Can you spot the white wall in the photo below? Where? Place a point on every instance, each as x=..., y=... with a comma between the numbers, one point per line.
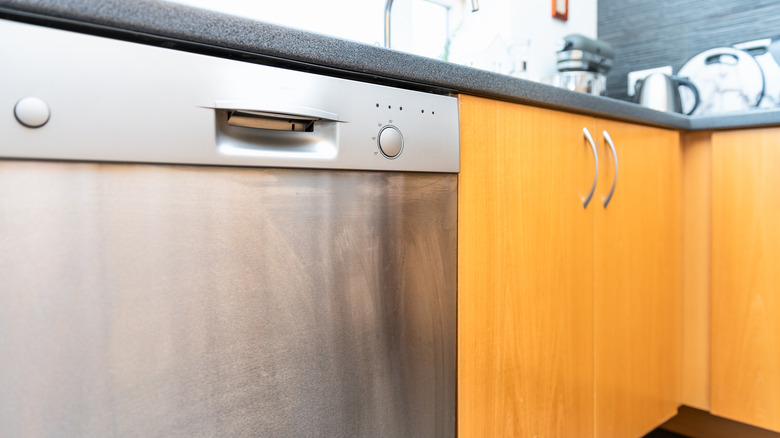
x=517, y=26
x=490, y=38
x=534, y=18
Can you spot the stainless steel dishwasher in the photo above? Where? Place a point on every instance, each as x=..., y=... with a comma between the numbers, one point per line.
x=197, y=246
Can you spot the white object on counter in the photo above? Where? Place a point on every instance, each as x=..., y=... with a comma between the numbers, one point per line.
x=770, y=68
x=728, y=80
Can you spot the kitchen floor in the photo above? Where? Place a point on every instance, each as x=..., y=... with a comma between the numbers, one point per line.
x=696, y=423
x=660, y=433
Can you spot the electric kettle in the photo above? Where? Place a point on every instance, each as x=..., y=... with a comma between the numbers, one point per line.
x=660, y=91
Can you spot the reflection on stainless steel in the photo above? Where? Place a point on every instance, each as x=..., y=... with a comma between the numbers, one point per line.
x=661, y=92
x=156, y=300
x=583, y=81
x=577, y=52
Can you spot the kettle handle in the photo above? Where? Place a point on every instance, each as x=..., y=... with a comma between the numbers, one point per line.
x=638, y=88
x=685, y=82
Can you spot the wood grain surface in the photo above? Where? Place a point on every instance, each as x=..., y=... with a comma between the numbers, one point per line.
x=746, y=276
x=697, y=244
x=525, y=273
x=638, y=248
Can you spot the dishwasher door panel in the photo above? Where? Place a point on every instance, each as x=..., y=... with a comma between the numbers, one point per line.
x=165, y=300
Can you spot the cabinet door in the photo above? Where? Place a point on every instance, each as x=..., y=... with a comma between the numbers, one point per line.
x=525, y=273
x=638, y=250
x=746, y=276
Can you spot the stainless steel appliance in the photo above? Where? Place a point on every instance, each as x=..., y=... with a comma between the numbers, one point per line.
x=579, y=53
x=583, y=64
x=661, y=92
x=582, y=81
x=196, y=246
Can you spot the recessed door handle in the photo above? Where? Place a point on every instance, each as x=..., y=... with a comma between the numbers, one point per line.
x=596, y=158
x=614, y=156
x=275, y=117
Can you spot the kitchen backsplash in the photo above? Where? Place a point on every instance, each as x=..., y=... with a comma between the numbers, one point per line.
x=647, y=34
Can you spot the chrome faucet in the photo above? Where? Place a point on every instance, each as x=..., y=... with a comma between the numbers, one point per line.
x=389, y=7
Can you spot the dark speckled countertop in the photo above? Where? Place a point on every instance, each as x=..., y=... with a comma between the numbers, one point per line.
x=186, y=28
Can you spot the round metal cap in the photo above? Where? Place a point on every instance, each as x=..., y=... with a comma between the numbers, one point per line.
x=390, y=141
x=32, y=112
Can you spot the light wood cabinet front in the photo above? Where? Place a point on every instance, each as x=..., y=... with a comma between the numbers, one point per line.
x=525, y=283
x=569, y=320
x=638, y=245
x=746, y=276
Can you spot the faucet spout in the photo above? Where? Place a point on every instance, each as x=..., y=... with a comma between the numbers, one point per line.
x=389, y=8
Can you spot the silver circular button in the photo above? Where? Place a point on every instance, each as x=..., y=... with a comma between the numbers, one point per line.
x=390, y=141
x=32, y=112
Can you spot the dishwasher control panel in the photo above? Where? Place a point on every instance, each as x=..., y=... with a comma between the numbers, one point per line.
x=390, y=141
x=72, y=96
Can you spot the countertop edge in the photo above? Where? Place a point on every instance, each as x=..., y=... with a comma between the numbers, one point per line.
x=751, y=119
x=155, y=18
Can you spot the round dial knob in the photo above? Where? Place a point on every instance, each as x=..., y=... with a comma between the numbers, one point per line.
x=390, y=141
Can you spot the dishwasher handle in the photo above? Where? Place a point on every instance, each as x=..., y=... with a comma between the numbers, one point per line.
x=282, y=109
x=276, y=116
x=281, y=134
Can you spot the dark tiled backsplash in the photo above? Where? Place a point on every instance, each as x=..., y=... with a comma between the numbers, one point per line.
x=670, y=32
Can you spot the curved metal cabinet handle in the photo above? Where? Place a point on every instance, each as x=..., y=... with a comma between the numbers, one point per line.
x=614, y=155
x=595, y=157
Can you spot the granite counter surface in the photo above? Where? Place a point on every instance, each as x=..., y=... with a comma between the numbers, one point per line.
x=179, y=26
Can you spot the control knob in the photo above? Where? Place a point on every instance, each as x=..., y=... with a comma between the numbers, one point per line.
x=390, y=141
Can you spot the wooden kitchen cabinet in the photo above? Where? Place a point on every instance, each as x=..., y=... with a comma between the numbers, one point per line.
x=568, y=316
x=638, y=281
x=745, y=357
x=525, y=276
